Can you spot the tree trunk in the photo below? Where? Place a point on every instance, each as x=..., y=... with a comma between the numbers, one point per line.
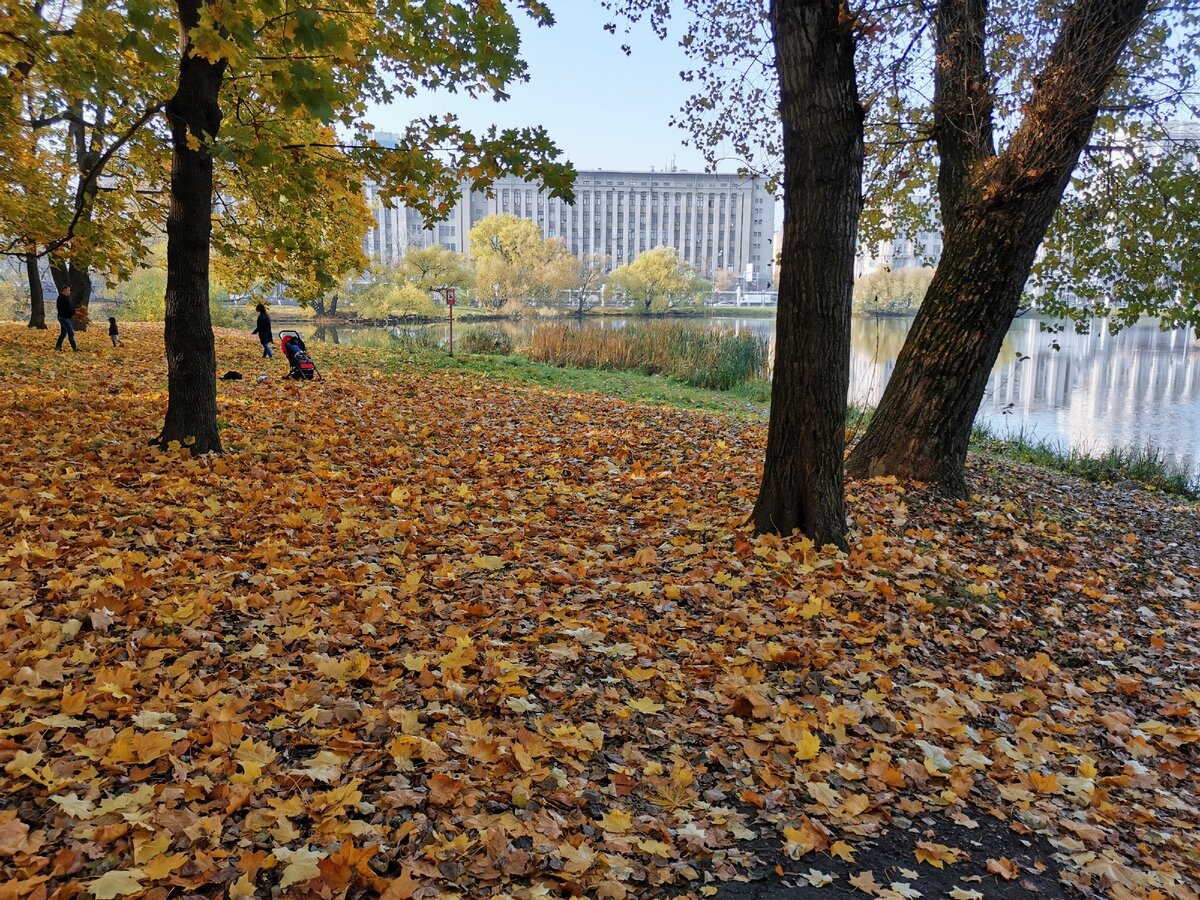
x=996, y=210
x=822, y=198
x=37, y=299
x=80, y=279
x=319, y=306
x=333, y=307
x=193, y=112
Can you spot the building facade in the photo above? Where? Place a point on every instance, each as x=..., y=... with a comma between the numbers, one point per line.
x=713, y=221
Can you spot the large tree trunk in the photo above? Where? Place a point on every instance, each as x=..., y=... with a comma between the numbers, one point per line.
x=191, y=354
x=996, y=210
x=822, y=199
x=37, y=299
x=75, y=271
x=333, y=307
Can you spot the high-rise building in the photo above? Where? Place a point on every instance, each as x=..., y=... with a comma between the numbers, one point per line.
x=713, y=221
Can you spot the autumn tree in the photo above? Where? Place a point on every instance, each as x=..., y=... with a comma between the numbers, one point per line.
x=295, y=227
x=435, y=267
x=997, y=202
x=73, y=144
x=274, y=68
x=515, y=265
x=82, y=152
x=656, y=281
x=892, y=290
x=590, y=272
x=725, y=280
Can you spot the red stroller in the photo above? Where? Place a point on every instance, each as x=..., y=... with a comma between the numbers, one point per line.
x=300, y=364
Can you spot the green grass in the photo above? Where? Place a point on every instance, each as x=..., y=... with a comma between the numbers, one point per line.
x=748, y=401
x=1147, y=465
x=716, y=359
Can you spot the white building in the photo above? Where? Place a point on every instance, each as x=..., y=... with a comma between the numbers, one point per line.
x=899, y=253
x=713, y=221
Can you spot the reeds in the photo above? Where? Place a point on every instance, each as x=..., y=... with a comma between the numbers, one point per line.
x=718, y=359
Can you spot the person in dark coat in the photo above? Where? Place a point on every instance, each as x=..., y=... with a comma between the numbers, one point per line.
x=263, y=330
x=113, y=331
x=66, y=316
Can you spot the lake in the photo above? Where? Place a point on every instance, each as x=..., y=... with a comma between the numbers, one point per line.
x=1095, y=391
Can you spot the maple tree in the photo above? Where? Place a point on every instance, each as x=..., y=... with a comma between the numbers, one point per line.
x=289, y=227
x=515, y=265
x=432, y=632
x=75, y=146
x=281, y=73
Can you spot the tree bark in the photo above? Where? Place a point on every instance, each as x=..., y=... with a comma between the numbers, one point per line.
x=333, y=307
x=193, y=113
x=997, y=211
x=37, y=299
x=76, y=271
x=822, y=199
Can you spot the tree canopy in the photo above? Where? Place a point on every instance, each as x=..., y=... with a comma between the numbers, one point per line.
x=515, y=265
x=1126, y=231
x=656, y=280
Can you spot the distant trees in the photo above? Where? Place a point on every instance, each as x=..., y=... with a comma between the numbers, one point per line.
x=892, y=290
x=515, y=265
x=656, y=281
x=435, y=267
x=725, y=280
x=590, y=272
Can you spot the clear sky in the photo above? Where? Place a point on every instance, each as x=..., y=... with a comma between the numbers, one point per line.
x=603, y=108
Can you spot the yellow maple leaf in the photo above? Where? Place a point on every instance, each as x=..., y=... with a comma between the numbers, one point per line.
x=1044, y=784
x=936, y=855
x=645, y=705
x=162, y=866
x=300, y=865
x=117, y=883
x=487, y=563
x=808, y=746
x=616, y=821
x=842, y=850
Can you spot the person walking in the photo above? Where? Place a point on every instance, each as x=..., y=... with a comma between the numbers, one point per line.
x=66, y=315
x=263, y=330
x=113, y=331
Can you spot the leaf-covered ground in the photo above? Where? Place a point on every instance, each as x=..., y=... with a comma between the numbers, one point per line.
x=430, y=636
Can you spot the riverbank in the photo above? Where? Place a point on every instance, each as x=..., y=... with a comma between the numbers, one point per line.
x=420, y=631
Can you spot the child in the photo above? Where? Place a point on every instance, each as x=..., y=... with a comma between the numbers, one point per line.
x=113, y=332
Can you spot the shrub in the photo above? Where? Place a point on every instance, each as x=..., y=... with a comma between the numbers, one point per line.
x=892, y=291
x=715, y=359
x=487, y=340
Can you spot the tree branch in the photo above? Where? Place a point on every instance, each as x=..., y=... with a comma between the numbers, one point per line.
x=98, y=166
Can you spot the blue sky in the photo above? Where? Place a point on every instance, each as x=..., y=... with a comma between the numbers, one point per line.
x=603, y=108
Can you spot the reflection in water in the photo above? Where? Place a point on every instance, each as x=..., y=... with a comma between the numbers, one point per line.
x=1096, y=392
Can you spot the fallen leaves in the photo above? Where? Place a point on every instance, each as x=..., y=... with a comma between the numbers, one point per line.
x=413, y=633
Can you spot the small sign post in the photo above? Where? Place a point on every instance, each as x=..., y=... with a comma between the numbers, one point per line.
x=451, y=296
